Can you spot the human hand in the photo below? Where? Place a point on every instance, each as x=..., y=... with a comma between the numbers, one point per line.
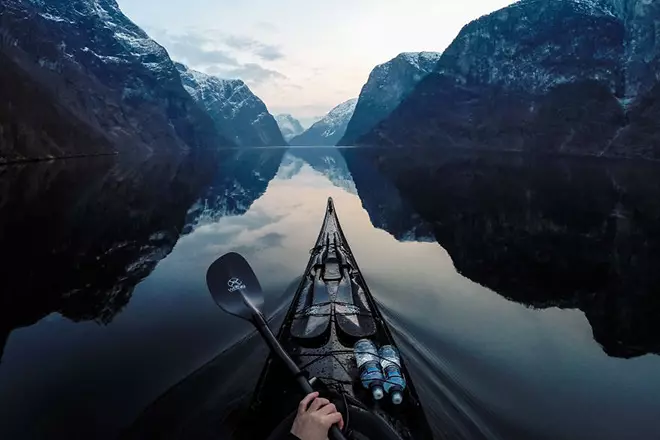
x=315, y=417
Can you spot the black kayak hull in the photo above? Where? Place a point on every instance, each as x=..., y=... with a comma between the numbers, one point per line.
x=332, y=309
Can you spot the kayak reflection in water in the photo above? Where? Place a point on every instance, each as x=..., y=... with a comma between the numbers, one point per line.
x=314, y=418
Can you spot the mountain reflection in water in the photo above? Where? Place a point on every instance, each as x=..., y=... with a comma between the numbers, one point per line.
x=522, y=293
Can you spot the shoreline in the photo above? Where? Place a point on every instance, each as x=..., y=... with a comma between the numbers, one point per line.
x=55, y=158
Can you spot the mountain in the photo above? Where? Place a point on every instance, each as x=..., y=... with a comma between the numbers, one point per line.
x=568, y=76
x=330, y=128
x=78, y=77
x=309, y=121
x=387, y=86
x=289, y=126
x=236, y=111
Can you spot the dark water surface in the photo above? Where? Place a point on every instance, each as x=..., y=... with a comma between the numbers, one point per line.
x=523, y=293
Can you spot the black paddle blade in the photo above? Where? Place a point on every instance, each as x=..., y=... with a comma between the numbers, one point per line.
x=234, y=286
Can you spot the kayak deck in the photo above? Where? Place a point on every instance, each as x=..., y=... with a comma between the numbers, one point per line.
x=331, y=310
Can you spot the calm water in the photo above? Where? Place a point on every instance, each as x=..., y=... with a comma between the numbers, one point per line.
x=524, y=295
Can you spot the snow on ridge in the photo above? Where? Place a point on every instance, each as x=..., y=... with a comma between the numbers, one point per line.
x=289, y=126
x=233, y=94
x=54, y=18
x=343, y=110
x=337, y=117
x=111, y=22
x=414, y=58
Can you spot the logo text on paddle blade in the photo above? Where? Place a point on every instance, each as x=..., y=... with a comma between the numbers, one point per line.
x=235, y=284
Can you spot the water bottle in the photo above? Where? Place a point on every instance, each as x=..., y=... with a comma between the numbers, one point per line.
x=391, y=364
x=371, y=376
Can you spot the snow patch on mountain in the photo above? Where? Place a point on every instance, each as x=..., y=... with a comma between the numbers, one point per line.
x=237, y=111
x=289, y=126
x=330, y=129
x=338, y=116
x=388, y=85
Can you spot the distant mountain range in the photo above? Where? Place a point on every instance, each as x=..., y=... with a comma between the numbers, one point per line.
x=289, y=126
x=329, y=130
x=236, y=111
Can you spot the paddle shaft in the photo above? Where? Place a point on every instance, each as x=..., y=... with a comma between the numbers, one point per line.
x=260, y=323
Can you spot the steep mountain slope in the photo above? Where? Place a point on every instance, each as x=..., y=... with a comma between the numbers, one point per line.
x=82, y=78
x=289, y=126
x=566, y=76
x=236, y=111
x=329, y=130
x=388, y=85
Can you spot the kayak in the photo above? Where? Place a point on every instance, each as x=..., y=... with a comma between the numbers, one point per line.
x=331, y=310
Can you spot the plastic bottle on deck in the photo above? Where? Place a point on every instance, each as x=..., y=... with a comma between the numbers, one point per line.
x=394, y=383
x=371, y=376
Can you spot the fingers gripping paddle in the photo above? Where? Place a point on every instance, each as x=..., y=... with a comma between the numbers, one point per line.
x=236, y=290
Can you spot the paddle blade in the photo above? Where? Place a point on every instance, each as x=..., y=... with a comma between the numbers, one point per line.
x=234, y=286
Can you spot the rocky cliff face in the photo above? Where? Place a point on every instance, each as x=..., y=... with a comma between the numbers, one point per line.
x=289, y=126
x=236, y=111
x=566, y=76
x=81, y=78
x=388, y=85
x=330, y=129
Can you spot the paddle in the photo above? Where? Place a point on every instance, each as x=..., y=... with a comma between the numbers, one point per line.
x=236, y=290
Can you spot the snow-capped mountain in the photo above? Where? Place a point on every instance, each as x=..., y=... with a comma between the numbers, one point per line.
x=236, y=111
x=289, y=126
x=330, y=128
x=387, y=86
x=90, y=69
x=566, y=76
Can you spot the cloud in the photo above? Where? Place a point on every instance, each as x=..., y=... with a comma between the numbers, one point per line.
x=264, y=51
x=211, y=47
x=251, y=73
x=267, y=26
x=269, y=53
x=194, y=49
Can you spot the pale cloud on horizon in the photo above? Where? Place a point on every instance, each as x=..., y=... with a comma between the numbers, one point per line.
x=301, y=57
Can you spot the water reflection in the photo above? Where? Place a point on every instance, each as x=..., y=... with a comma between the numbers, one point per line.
x=77, y=236
x=563, y=233
x=455, y=249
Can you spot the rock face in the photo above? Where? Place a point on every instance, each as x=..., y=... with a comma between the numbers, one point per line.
x=566, y=76
x=388, y=85
x=289, y=126
x=330, y=129
x=79, y=77
x=236, y=111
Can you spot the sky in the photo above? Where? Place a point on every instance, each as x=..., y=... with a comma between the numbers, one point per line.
x=301, y=57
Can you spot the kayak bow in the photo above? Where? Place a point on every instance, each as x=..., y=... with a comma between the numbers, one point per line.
x=331, y=310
